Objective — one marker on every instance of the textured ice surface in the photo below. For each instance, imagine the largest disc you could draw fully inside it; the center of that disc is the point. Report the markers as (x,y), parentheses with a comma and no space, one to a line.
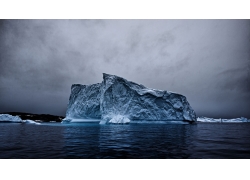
(206,119)
(10,118)
(118,96)
(84,102)
(137,102)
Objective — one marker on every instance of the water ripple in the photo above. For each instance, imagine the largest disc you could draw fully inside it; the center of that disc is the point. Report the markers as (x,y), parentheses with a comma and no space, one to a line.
(133,141)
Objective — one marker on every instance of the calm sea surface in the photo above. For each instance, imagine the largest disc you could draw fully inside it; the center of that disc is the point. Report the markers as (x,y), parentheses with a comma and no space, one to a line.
(158,141)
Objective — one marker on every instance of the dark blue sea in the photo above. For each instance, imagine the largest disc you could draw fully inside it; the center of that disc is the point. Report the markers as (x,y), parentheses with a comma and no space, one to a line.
(132,141)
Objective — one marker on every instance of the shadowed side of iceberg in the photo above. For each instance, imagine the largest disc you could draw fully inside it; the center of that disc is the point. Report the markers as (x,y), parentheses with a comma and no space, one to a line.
(84,102)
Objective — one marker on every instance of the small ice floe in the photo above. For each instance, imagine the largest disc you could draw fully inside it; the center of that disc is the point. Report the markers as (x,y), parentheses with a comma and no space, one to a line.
(68,120)
(28,121)
(242,119)
(10,118)
(220,120)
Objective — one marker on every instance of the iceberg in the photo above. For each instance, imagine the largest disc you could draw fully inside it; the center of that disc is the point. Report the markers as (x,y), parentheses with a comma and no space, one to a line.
(137,102)
(7,118)
(117,100)
(220,120)
(10,118)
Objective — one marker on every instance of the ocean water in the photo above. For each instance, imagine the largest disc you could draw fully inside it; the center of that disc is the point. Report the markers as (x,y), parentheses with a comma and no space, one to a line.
(132,141)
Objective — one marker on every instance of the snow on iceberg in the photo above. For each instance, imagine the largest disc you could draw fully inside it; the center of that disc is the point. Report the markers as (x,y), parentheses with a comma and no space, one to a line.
(10,118)
(220,120)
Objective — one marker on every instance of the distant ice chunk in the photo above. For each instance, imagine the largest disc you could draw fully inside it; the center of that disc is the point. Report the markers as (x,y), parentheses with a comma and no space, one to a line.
(15,119)
(10,118)
(220,120)
(206,119)
(119,119)
(66,120)
(242,119)
(28,121)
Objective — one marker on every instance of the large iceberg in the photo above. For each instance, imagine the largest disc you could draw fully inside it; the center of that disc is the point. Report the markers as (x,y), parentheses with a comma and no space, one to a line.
(119,100)
(220,120)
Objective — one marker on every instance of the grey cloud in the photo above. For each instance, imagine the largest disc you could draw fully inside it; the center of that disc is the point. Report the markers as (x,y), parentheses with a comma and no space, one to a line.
(235,79)
(206,60)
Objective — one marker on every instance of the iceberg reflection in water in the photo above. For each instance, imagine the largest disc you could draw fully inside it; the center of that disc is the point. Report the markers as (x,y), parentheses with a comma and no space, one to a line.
(128,141)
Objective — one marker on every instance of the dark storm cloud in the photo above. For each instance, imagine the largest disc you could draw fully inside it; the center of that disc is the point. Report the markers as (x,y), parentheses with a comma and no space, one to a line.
(206,60)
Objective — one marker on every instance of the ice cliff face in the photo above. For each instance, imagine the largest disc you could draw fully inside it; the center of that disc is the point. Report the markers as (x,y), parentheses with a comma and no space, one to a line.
(116,97)
(84,102)
(136,102)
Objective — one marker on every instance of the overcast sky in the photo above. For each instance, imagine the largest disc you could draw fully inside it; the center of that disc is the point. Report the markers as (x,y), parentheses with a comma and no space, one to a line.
(208,61)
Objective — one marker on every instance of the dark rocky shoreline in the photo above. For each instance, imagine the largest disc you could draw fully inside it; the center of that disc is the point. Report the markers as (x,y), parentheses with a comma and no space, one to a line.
(37,117)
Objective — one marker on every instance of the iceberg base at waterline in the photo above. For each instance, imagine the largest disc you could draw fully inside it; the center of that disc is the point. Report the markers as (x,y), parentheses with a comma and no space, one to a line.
(80,120)
(117,119)
(121,120)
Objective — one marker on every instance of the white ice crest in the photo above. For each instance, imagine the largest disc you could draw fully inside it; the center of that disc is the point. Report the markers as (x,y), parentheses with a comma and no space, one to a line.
(119,119)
